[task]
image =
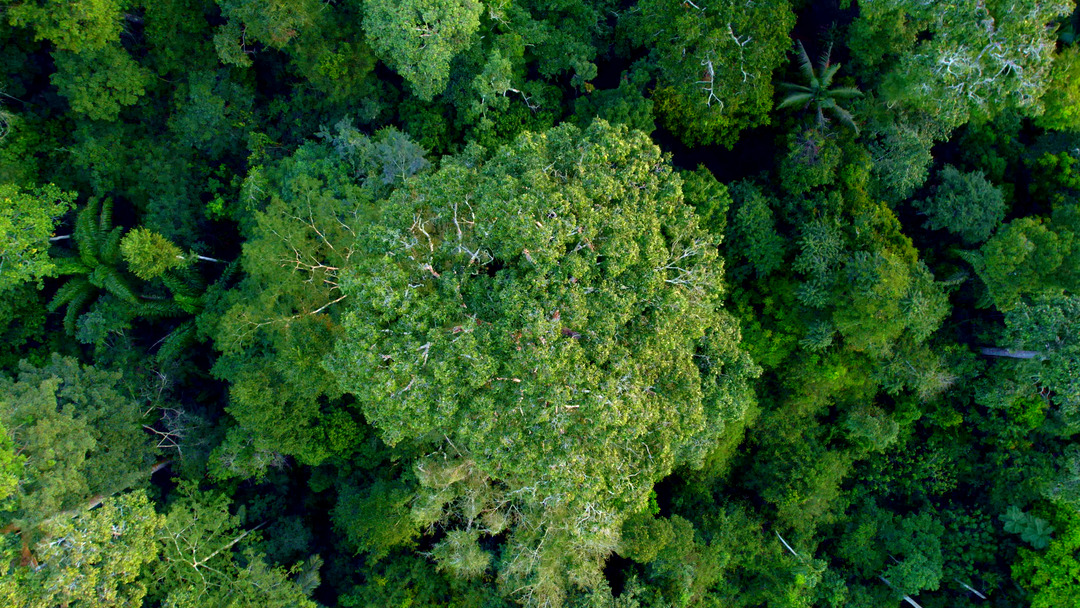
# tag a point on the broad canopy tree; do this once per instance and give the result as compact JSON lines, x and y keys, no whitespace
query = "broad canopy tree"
{"x":546,"y":322}
{"x":714,"y":63}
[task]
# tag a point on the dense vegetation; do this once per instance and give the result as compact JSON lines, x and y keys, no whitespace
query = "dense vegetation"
{"x":449,"y":303}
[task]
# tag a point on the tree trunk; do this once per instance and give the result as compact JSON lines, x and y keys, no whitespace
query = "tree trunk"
{"x":1012,"y":354}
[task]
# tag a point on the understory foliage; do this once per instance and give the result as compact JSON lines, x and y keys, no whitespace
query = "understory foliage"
{"x":461,"y":304}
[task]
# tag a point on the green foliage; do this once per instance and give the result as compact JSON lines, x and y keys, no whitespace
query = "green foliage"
{"x":364,"y":512}
{"x":469,"y":351}
{"x":274,"y":23}
{"x":150,"y":255}
{"x":1035,"y":531}
{"x":78,"y":436}
{"x":95,"y":271}
{"x":460,"y":555}
{"x":27,"y":220}
{"x":100,"y":82}
{"x":965,"y":204}
{"x":94,"y":558}
{"x":419,"y":38}
{"x":1049,"y":327}
{"x":812,"y":161}
{"x":709,"y":198}
{"x":1027,"y":256}
{"x":754,"y":233}
{"x":1062,"y":96}
{"x":819,"y":90}
{"x":950,"y":74}
{"x":71,"y":25}
{"x":10,"y":468}
{"x":275,"y":327}
{"x":625,"y":104}
{"x":884,"y":298}
{"x":486,"y":281}
{"x":901,"y":154}
{"x":1053,"y":576}
{"x":212,"y":112}
{"x":714,"y":63}
{"x":203,"y":562}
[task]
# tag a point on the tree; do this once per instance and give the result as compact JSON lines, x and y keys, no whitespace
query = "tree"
{"x":206,"y":559}
{"x":713,"y":63}
{"x":150,"y":255}
{"x":78,"y":436}
{"x":275,"y":327}
{"x":818,"y":90}
{"x":754,"y":231}
{"x":273,"y":22}
{"x":100,"y":82}
{"x":72,"y":25}
{"x":96,"y":270}
{"x":1026,"y":256}
{"x":544,"y":323}
{"x":1046,"y":343}
{"x":419,"y":38}
{"x":92,"y":558}
{"x":1063,"y":93}
{"x":965,"y":204}
{"x":980,"y":58}
{"x":1053,"y":576}
{"x":27,"y":220}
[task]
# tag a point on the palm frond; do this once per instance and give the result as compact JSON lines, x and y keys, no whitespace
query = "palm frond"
{"x":75,"y":308}
{"x":827,"y":75}
{"x":66,"y":266}
{"x":105,"y":220}
{"x":805,"y":66}
{"x":845,"y":118}
{"x":795,"y":99}
{"x":791,"y":86}
{"x":845,"y":93}
{"x":178,"y":341}
{"x":825,"y":59}
{"x":68,"y":292}
{"x":184,"y":282}
{"x":170,"y":310}
{"x":112,"y":281}
{"x":109,"y":251}
{"x":85,"y":234}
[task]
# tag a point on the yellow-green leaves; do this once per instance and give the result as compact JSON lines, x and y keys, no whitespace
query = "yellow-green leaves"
{"x":149,"y":255}
{"x":27,"y":219}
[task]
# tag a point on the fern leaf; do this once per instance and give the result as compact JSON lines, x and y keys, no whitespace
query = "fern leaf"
{"x":177,"y":342}
{"x":66,"y":266}
{"x":112,"y":281}
{"x":75,"y":308}
{"x":161,"y":309}
{"x":68,"y":292}
{"x":109,"y":251}
{"x":105,"y":219}
{"x":85,"y":234}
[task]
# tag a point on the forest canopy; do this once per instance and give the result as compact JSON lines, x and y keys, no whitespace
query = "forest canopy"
{"x":450,"y":303}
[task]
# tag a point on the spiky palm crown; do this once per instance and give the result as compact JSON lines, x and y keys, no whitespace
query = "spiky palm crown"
{"x":819,"y":91}
{"x":96,"y":269}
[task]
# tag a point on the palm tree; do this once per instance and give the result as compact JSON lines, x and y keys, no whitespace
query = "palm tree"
{"x":96,"y":270}
{"x":818,"y":91}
